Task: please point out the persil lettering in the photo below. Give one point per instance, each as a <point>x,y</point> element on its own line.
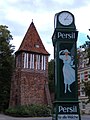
<point>71,109</point>
<point>66,35</point>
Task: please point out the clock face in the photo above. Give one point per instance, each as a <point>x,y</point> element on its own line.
<point>65,18</point>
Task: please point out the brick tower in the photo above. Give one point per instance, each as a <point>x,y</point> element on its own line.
<point>29,83</point>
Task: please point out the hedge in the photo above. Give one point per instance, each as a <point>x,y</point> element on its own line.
<point>29,111</point>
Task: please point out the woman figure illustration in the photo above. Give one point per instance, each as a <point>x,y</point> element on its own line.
<point>68,71</point>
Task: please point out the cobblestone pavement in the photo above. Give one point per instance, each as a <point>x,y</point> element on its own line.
<point>4,117</point>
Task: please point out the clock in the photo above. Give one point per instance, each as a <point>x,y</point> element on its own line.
<point>65,18</point>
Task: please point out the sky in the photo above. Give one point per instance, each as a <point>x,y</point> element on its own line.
<point>18,15</point>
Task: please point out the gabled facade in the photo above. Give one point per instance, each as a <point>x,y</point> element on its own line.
<point>29,84</point>
<point>83,76</point>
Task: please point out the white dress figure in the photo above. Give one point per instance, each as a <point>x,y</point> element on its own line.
<point>68,71</point>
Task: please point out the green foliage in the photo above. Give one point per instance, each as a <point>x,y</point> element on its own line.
<point>6,65</point>
<point>86,47</point>
<point>29,111</point>
<point>51,75</point>
<point>87,50</point>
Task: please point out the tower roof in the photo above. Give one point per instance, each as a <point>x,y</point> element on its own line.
<point>32,41</point>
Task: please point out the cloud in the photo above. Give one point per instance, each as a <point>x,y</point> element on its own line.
<point>18,14</point>
<point>82,19</point>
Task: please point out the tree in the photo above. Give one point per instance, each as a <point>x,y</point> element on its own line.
<point>51,75</point>
<point>6,65</point>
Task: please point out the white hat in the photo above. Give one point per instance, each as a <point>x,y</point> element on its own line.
<point>66,51</point>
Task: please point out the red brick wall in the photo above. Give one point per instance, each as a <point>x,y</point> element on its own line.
<point>28,86</point>
<point>32,87</point>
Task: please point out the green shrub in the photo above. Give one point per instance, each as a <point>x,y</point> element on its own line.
<point>29,111</point>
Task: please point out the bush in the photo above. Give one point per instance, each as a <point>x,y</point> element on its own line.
<point>29,111</point>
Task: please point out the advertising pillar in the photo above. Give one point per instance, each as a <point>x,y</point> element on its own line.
<point>66,105</point>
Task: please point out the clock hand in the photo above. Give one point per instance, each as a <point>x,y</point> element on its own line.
<point>66,17</point>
